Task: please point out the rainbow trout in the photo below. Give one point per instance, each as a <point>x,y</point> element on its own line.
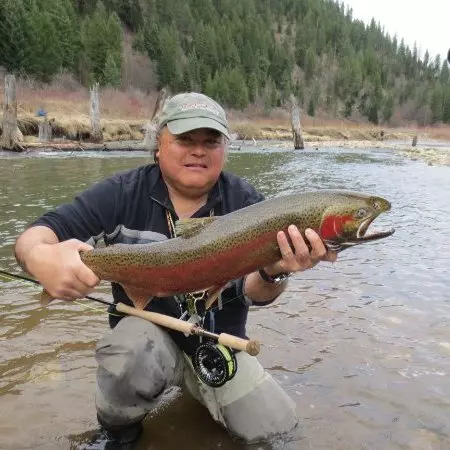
<point>209,252</point>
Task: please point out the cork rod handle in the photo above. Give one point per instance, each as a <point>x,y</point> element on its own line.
<point>249,346</point>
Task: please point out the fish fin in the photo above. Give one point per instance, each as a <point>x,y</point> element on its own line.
<point>190,227</point>
<point>139,298</point>
<point>213,295</point>
<point>45,298</point>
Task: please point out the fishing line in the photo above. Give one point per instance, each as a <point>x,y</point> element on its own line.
<point>214,364</point>
<point>32,280</point>
<point>13,276</point>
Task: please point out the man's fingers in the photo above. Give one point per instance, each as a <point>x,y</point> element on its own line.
<point>79,245</point>
<point>84,274</point>
<point>301,249</point>
<point>298,256</point>
<point>66,294</point>
<point>87,277</point>
<point>318,248</point>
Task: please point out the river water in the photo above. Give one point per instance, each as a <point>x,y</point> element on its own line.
<point>362,346</point>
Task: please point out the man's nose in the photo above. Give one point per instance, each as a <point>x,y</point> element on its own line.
<point>198,148</point>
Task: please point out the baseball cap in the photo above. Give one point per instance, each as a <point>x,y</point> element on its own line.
<point>190,111</point>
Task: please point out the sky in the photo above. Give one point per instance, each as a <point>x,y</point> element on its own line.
<point>424,22</point>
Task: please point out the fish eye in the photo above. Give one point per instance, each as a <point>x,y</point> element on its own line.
<point>361,213</point>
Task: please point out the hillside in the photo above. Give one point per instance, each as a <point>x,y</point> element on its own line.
<point>248,53</point>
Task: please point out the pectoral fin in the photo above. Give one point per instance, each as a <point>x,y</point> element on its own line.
<point>213,295</point>
<point>45,298</point>
<point>139,298</point>
<point>190,227</point>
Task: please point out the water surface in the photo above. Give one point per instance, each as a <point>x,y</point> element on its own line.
<point>362,346</point>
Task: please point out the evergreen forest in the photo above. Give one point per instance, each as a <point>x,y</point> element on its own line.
<point>240,52</point>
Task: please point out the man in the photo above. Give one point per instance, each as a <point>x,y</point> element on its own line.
<point>138,360</point>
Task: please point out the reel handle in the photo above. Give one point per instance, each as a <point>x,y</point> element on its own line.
<point>250,346</point>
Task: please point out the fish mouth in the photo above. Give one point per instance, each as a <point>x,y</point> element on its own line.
<point>363,236</point>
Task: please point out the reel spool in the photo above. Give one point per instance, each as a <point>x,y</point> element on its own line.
<point>214,364</point>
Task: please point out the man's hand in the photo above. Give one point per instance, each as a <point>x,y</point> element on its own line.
<point>299,258</point>
<point>58,267</point>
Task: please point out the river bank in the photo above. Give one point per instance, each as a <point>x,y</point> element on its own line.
<point>72,133</point>
<point>124,115</point>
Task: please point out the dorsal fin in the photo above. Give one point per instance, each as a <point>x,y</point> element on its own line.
<point>190,227</point>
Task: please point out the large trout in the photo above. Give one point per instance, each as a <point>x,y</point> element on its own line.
<point>211,251</point>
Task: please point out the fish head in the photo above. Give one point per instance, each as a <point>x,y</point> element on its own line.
<point>346,222</point>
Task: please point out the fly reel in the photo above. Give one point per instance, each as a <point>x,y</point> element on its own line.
<point>214,364</point>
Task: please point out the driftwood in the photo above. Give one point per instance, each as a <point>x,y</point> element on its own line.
<point>76,146</point>
<point>11,135</point>
<point>149,129</point>
<point>96,133</point>
<point>296,125</point>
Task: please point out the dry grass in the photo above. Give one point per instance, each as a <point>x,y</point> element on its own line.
<point>124,113</point>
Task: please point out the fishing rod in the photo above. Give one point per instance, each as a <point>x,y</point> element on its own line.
<point>250,346</point>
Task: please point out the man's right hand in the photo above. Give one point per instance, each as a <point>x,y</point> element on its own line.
<point>58,267</point>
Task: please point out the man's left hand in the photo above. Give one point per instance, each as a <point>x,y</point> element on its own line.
<point>299,257</point>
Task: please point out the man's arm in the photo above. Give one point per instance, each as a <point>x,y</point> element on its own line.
<point>49,249</point>
<point>297,258</point>
<point>28,241</point>
<point>56,265</point>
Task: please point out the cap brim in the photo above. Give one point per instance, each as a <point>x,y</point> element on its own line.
<point>180,126</point>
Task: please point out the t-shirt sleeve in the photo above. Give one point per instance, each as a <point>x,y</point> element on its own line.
<point>252,197</point>
<point>91,213</point>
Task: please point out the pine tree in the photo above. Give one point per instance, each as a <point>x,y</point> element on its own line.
<point>437,103</point>
<point>238,91</point>
<point>95,46</point>
<point>48,47</point>
<point>388,108</point>
<point>12,35</point>
<point>111,73</point>
<point>311,107</point>
<point>167,68</point>
<point>101,37</point>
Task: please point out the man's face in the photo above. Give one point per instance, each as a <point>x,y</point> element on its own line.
<point>191,162</point>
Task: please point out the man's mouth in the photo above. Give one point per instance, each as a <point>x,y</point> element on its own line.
<point>196,166</point>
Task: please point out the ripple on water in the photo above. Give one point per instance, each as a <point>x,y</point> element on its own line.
<point>361,345</point>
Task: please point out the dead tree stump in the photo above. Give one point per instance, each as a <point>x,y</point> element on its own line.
<point>45,131</point>
<point>149,129</point>
<point>296,125</point>
<point>96,128</point>
<point>414,141</point>
<point>10,132</point>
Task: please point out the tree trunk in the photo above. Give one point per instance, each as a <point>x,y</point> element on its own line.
<point>10,132</point>
<point>162,97</point>
<point>96,132</point>
<point>296,126</point>
<point>45,131</point>
<point>149,129</point>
